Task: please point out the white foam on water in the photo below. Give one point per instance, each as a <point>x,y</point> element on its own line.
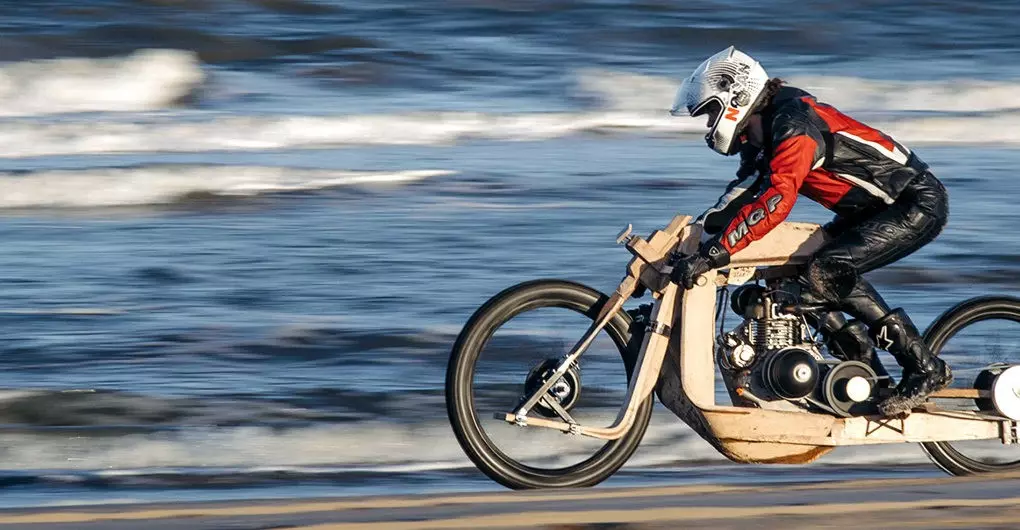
<point>160,184</point>
<point>945,111</point>
<point>956,111</point>
<point>365,446</point>
<point>1000,129</point>
<point>947,95</point>
<point>625,90</point>
<point>250,133</point>
<point>630,91</point>
<point>144,80</point>
<point>168,133</point>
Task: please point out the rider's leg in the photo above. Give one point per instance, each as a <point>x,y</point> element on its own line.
<point>852,342</point>
<point>847,341</point>
<point>834,274</point>
<point>923,372</point>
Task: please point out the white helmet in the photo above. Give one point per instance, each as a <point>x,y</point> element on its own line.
<point>726,87</point>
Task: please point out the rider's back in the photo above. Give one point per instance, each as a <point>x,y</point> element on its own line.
<point>856,170</point>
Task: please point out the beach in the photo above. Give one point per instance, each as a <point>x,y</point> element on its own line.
<point>972,502</point>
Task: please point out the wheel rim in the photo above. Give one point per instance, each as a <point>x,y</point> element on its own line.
<point>524,339</point>
<point>969,346</point>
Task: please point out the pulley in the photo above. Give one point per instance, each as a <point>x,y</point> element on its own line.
<point>849,389</point>
<point>1003,381</point>
<point>791,373</point>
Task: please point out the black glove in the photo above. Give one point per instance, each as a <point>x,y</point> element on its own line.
<point>686,269</point>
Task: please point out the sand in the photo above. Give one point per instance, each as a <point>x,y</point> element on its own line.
<point>947,502</point>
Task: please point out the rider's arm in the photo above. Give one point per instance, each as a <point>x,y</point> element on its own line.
<point>799,147</point>
<point>740,192</point>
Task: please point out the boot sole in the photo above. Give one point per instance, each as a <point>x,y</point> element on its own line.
<point>890,408</point>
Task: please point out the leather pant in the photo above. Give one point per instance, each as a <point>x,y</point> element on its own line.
<point>834,274</point>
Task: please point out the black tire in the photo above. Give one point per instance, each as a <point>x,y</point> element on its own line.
<point>944,454</point>
<point>460,394</point>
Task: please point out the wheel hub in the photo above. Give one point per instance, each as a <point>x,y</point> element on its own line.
<point>566,390</point>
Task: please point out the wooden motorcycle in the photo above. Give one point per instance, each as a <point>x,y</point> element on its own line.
<point>789,402</point>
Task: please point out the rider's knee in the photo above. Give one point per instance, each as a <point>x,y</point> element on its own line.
<point>829,277</point>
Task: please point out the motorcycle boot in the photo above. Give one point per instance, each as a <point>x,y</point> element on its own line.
<point>923,372</point>
<point>851,343</point>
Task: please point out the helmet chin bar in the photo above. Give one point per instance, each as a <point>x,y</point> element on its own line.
<point>735,141</point>
<point>734,147</point>
<point>717,111</point>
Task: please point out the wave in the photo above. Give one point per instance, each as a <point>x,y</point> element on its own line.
<point>363,447</point>
<point>145,80</point>
<point>630,91</point>
<point>947,111</point>
<point>23,138</point>
<point>159,439</point>
<point>165,184</point>
<point>946,95</point>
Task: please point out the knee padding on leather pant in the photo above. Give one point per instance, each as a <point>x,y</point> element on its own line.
<point>829,278</point>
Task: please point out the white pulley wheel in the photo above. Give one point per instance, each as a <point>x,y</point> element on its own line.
<point>1006,393</point>
<point>858,389</point>
<point>848,389</point>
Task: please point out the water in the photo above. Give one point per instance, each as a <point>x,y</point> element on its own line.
<point>240,237</point>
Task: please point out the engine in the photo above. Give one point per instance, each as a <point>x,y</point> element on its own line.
<point>770,359</point>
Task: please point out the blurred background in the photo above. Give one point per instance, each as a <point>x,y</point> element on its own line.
<point>240,236</point>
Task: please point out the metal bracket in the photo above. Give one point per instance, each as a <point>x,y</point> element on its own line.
<point>887,423</point>
<point>659,328</point>
<point>553,403</point>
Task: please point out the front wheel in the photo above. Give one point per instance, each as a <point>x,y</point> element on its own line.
<point>970,336</point>
<point>503,352</point>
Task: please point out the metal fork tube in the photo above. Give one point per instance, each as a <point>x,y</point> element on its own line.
<point>649,364</point>
<point>613,305</point>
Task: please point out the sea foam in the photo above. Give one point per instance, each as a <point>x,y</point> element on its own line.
<point>145,80</point>
<point>161,184</point>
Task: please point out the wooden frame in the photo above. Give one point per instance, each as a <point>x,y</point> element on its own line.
<point>676,359</point>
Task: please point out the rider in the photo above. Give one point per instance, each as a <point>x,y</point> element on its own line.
<point>887,205</point>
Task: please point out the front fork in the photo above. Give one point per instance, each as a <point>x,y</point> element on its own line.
<point>648,269</point>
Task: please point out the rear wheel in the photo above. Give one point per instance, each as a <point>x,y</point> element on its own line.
<point>507,348</point>
<point>970,336</point>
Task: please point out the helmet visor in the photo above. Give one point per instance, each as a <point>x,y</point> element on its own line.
<point>686,98</point>
<point>691,101</point>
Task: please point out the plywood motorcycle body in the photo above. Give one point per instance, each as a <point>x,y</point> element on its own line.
<point>678,360</point>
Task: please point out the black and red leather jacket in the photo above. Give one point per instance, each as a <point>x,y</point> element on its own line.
<point>811,149</point>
